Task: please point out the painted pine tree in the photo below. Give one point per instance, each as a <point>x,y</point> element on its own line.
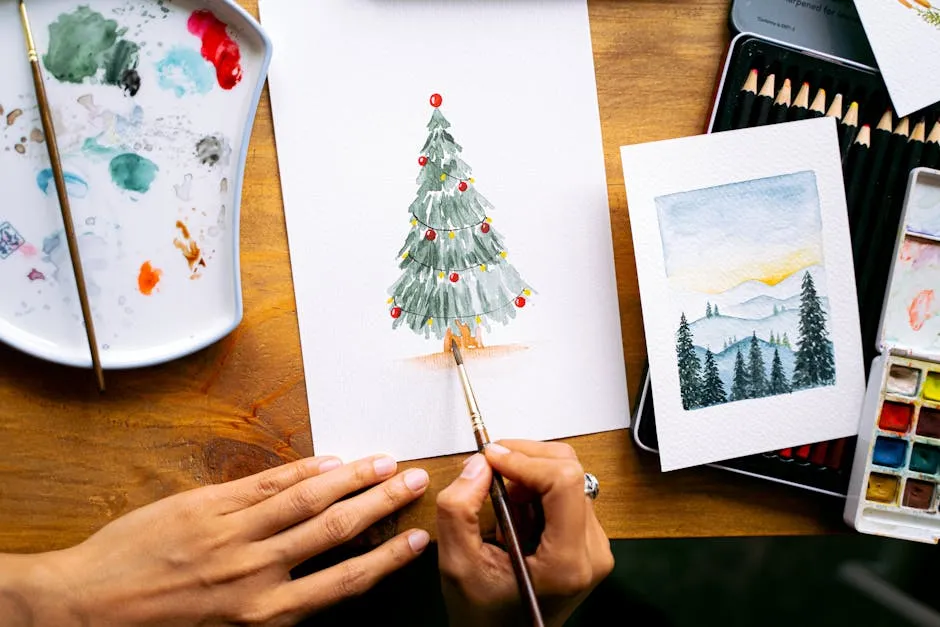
<point>713,391</point>
<point>756,374</point>
<point>708,310</point>
<point>778,378</point>
<point>740,386</point>
<point>689,366</point>
<point>455,276</point>
<point>815,365</point>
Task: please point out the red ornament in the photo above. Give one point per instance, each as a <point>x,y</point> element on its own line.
<point>396,312</point>
<point>430,235</point>
<point>454,277</point>
<point>436,100</point>
<point>485,227</point>
<point>422,160</point>
<point>520,302</point>
<point>462,186</point>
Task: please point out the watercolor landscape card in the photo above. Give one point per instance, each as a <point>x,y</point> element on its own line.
<point>423,210</point>
<point>747,290</point>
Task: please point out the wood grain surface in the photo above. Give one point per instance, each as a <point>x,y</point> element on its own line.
<point>71,460</point>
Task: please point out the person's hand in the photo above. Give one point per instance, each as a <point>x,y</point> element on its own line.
<point>573,553</point>
<point>222,554</point>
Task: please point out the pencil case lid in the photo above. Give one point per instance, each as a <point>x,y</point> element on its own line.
<point>831,27</point>
<point>910,317</point>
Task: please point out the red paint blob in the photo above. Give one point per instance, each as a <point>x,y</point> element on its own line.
<point>462,186</point>
<point>436,100</point>
<point>422,160</point>
<point>895,417</point>
<point>520,302</point>
<point>454,277</point>
<point>217,47</point>
<point>485,227</point>
<point>430,235</point>
<point>396,312</point>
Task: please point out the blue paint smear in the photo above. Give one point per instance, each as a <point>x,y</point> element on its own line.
<point>184,71</point>
<point>74,184</point>
<point>51,242</point>
<point>889,452</point>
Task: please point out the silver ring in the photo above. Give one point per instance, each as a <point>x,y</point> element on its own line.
<point>591,486</point>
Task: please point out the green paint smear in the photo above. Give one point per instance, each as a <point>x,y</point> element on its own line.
<point>82,42</point>
<point>93,149</point>
<point>133,172</point>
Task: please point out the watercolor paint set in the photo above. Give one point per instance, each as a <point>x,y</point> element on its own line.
<point>789,62</point>
<point>895,481</point>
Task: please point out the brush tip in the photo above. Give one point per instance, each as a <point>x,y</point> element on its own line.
<point>456,351</point>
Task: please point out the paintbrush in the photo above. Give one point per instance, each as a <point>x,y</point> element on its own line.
<point>45,113</point>
<point>500,499</point>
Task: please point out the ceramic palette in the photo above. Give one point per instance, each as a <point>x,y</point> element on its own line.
<point>895,485</point>
<point>153,103</point>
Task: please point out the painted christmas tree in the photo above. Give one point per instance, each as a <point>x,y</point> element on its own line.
<point>456,278</point>
<point>713,391</point>
<point>689,366</point>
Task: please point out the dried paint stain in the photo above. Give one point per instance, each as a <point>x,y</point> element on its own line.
<point>212,150</point>
<point>83,42</point>
<point>190,249</point>
<point>217,47</point>
<point>183,71</point>
<point>921,310</point>
<point>132,172</point>
<point>12,115</point>
<point>36,275</point>
<point>148,278</point>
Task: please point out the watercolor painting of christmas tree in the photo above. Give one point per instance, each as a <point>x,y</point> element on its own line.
<point>456,278</point>
<point>748,286</point>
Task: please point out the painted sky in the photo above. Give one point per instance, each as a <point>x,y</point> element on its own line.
<point>763,229</point>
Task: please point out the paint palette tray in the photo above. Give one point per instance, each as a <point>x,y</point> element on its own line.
<point>895,482</point>
<point>153,103</point>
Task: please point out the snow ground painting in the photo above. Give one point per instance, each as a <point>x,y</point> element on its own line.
<point>748,289</point>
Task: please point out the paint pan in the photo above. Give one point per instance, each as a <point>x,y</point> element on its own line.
<point>894,490</point>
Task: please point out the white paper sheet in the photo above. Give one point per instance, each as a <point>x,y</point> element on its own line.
<point>905,37</point>
<point>350,83</point>
<point>737,220</point>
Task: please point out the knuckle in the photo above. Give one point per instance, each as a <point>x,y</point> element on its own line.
<point>339,525</point>
<point>448,503</point>
<point>571,473</point>
<point>574,579</point>
<point>605,565</point>
<point>566,450</point>
<point>353,580</point>
<point>364,473</point>
<point>305,499</point>
<point>392,494</point>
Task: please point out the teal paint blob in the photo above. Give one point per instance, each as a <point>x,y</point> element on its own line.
<point>183,71</point>
<point>133,172</point>
<point>93,149</point>
<point>74,184</point>
<point>83,42</point>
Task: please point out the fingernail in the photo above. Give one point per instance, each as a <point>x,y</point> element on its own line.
<point>499,449</point>
<point>384,466</point>
<point>474,467</point>
<point>330,464</point>
<point>464,462</point>
<point>416,479</point>
<point>418,540</point>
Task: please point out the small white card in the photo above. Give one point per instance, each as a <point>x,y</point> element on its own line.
<point>905,37</point>
<point>747,289</point>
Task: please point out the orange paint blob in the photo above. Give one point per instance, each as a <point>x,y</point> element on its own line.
<point>148,278</point>
<point>920,309</point>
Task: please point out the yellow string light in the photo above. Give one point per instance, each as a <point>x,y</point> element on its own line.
<point>451,235</point>
<point>440,275</point>
<point>479,319</point>
<point>489,220</point>
<point>414,222</point>
<point>472,180</point>
<point>443,177</point>
<point>390,300</point>
<point>430,320</point>
<point>483,267</point>
<point>527,292</point>
<point>503,254</point>
<point>405,255</point>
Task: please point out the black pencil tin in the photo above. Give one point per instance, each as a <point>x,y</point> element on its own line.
<point>820,41</point>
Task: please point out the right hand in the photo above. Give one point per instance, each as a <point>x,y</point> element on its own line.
<point>573,553</point>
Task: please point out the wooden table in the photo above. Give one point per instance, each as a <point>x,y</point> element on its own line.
<point>71,460</point>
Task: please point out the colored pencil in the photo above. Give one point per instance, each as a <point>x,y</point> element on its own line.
<point>764,101</point>
<point>778,112</point>
<point>818,108</point>
<point>746,97</point>
<point>847,129</point>
<point>800,108</point>
<point>854,173</point>
<point>817,456</point>
<point>52,147</point>
<point>880,138</point>
<point>931,158</point>
<point>835,454</point>
<point>835,109</point>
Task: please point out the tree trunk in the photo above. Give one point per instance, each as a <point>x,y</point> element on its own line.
<point>465,341</point>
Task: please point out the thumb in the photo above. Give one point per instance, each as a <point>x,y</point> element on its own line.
<point>458,516</point>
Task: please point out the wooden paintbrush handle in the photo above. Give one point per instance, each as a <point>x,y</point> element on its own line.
<point>504,517</point>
